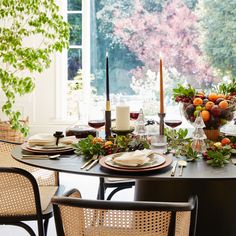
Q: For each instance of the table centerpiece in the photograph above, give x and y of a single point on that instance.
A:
(217, 154)
(91, 146)
(216, 108)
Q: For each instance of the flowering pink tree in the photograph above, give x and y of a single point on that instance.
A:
(171, 32)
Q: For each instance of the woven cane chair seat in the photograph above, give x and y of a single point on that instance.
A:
(43, 177)
(17, 195)
(46, 193)
(25, 192)
(106, 218)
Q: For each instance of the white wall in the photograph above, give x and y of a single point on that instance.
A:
(40, 106)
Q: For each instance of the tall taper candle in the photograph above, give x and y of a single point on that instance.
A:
(161, 89)
(108, 105)
(107, 77)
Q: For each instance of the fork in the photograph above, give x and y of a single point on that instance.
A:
(32, 156)
(94, 157)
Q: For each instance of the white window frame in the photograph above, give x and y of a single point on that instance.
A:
(61, 73)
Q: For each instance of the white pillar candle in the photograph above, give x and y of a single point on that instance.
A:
(122, 117)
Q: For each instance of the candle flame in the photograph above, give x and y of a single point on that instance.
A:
(107, 54)
(160, 55)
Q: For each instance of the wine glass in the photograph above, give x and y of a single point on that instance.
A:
(135, 106)
(173, 118)
(134, 115)
(96, 117)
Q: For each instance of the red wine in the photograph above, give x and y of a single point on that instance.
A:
(134, 115)
(173, 123)
(96, 123)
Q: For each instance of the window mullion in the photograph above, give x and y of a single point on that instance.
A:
(86, 51)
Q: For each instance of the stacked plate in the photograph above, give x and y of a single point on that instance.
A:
(53, 149)
(154, 162)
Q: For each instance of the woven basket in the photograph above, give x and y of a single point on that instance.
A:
(8, 134)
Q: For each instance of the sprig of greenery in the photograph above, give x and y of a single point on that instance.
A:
(178, 141)
(129, 143)
(187, 151)
(183, 91)
(219, 156)
(89, 146)
(228, 88)
(175, 137)
(218, 159)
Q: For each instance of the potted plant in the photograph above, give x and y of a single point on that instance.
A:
(30, 32)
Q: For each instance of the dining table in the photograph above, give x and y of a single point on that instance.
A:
(215, 187)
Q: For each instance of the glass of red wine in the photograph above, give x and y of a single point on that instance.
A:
(134, 115)
(173, 123)
(173, 118)
(96, 118)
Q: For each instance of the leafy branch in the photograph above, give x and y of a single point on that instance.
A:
(228, 88)
(24, 22)
(97, 146)
(183, 91)
(218, 156)
(178, 141)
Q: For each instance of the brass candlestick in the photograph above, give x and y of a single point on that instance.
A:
(162, 116)
(108, 120)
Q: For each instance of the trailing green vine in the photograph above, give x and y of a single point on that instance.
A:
(30, 32)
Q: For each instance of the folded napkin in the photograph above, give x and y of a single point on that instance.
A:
(44, 139)
(136, 158)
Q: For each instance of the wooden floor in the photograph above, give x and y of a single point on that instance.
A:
(88, 187)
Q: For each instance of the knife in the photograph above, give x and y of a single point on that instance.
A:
(173, 168)
(92, 164)
(89, 161)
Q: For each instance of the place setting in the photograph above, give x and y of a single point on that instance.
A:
(47, 146)
(137, 161)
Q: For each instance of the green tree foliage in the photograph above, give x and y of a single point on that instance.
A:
(219, 29)
(30, 31)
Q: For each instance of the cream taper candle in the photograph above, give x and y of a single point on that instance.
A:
(122, 117)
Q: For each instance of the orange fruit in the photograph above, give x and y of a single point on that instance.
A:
(200, 94)
(212, 96)
(220, 96)
(225, 141)
(223, 105)
(108, 143)
(97, 140)
(209, 105)
(197, 101)
(205, 115)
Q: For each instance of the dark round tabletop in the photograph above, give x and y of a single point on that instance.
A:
(71, 163)
(215, 187)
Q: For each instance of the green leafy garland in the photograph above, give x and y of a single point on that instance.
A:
(23, 22)
(97, 146)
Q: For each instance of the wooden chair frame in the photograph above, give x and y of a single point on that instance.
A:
(173, 207)
(42, 218)
(117, 185)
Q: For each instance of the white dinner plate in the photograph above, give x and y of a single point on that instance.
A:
(154, 160)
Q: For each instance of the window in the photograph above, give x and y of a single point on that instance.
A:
(195, 38)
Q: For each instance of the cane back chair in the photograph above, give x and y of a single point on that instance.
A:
(76, 217)
(14, 211)
(117, 184)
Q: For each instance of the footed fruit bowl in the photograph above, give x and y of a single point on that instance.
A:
(216, 109)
